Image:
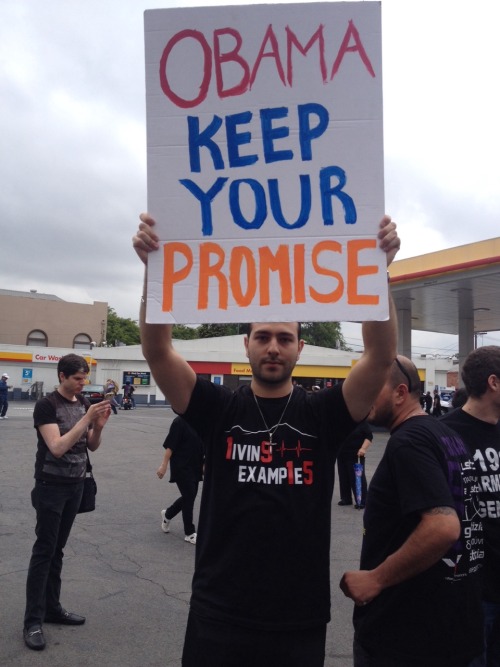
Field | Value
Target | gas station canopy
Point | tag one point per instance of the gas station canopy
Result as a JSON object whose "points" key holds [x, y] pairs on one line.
{"points": [[453, 291]]}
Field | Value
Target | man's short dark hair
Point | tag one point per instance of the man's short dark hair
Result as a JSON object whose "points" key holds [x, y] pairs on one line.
{"points": [[71, 364], [248, 329], [478, 367]]}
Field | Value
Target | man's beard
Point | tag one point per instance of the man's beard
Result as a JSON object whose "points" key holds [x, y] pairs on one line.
{"points": [[383, 415], [281, 374]]}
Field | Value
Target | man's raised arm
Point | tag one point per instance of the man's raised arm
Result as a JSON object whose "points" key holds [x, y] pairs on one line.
{"points": [[380, 339], [173, 375]]}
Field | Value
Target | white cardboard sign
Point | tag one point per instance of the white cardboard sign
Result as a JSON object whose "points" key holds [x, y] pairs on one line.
{"points": [[265, 163]]}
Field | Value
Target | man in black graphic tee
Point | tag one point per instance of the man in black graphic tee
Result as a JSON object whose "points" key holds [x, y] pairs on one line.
{"points": [[417, 592], [261, 591], [477, 423]]}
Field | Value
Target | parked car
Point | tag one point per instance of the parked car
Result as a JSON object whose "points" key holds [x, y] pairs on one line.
{"points": [[446, 397], [93, 392]]}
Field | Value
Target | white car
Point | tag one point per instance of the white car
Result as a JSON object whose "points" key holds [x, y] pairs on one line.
{"points": [[446, 398]]}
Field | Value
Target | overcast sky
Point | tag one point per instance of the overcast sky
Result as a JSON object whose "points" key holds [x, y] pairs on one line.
{"points": [[73, 145]]}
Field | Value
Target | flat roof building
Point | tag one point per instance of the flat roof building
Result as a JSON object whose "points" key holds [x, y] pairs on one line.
{"points": [[45, 320]]}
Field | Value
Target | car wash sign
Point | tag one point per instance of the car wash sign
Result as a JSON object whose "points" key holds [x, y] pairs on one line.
{"points": [[265, 162]]}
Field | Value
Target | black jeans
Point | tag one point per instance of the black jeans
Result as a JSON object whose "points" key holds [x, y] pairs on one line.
{"points": [[56, 506], [188, 489], [363, 659], [4, 406], [209, 643]]}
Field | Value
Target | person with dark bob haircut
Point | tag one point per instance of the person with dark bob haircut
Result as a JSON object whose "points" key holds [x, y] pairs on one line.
{"points": [[71, 364]]}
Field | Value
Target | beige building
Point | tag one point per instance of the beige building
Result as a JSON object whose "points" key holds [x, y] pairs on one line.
{"points": [[45, 320]]}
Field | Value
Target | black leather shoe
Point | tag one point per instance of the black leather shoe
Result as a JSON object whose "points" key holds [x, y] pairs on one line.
{"points": [[359, 507], [342, 503], [65, 618], [33, 638]]}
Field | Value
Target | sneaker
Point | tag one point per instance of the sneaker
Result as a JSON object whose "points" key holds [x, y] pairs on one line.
{"points": [[190, 538], [165, 523], [4, 417]]}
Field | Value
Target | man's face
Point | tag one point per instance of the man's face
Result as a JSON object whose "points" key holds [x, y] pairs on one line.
{"points": [[273, 349], [73, 384], [494, 393], [382, 412]]}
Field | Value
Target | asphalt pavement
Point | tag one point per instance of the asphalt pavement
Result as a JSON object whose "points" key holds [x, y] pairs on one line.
{"points": [[130, 580]]}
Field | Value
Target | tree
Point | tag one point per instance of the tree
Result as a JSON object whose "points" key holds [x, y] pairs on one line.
{"points": [[124, 330], [324, 334], [216, 330], [121, 330], [184, 332]]}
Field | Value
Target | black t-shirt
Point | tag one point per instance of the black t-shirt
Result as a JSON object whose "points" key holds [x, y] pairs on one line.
{"points": [[186, 461], [71, 466], [435, 617], [263, 545], [483, 442]]}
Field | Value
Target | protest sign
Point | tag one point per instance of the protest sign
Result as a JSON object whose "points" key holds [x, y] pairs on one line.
{"points": [[265, 163]]}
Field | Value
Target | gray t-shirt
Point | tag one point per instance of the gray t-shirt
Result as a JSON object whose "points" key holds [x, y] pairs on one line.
{"points": [[71, 467]]}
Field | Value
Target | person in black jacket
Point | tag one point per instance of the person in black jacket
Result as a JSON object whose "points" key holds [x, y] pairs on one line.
{"points": [[436, 405], [184, 452], [4, 396]]}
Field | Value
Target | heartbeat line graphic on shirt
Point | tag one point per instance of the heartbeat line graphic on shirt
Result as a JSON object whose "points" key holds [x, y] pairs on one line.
{"points": [[298, 449]]}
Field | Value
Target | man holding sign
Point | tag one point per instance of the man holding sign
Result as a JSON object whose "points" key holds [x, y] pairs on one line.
{"points": [[265, 182], [261, 586]]}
